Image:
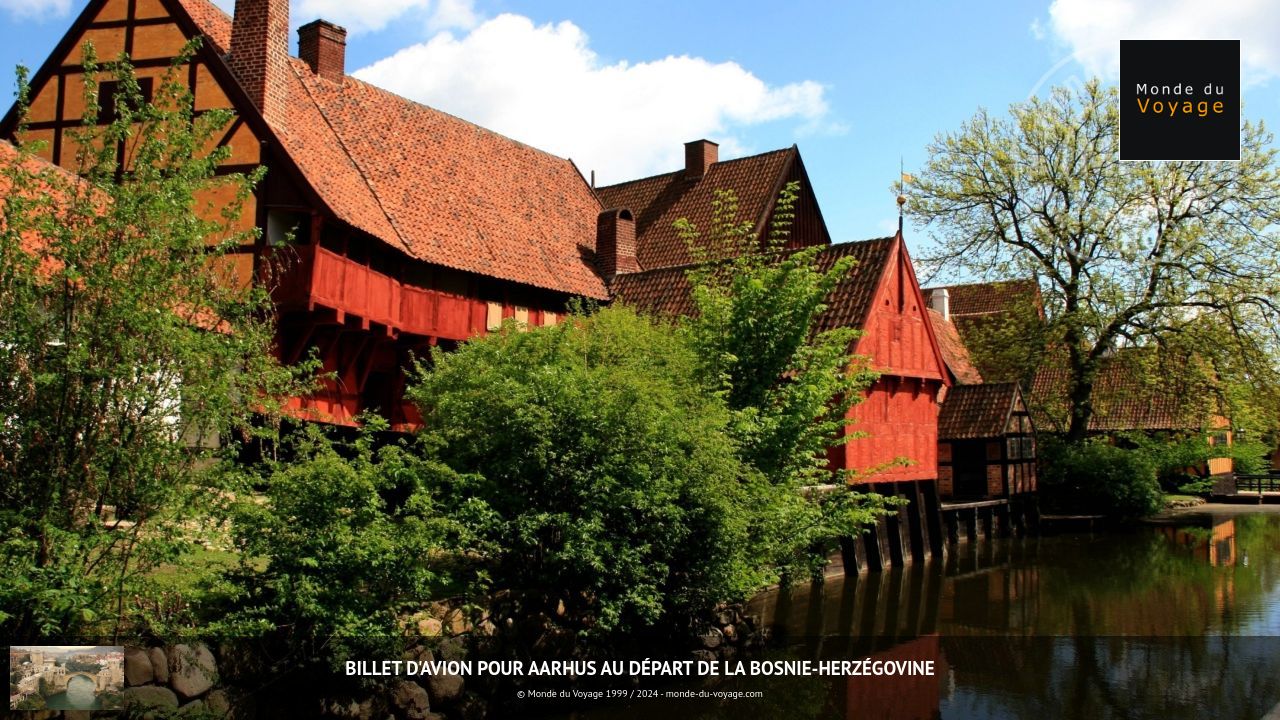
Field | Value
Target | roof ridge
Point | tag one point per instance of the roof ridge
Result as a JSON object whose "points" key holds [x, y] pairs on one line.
{"points": [[847, 243], [354, 163], [677, 172]]}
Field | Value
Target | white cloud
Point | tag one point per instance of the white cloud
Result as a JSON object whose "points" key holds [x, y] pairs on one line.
{"points": [[35, 9], [453, 14], [1092, 29], [545, 86]]}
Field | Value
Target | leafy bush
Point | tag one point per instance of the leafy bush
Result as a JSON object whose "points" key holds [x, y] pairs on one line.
{"points": [[1251, 457], [1098, 478], [109, 365], [788, 385], [340, 546], [594, 471]]}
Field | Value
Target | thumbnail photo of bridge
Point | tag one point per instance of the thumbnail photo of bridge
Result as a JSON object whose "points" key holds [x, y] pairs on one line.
{"points": [[65, 677]]}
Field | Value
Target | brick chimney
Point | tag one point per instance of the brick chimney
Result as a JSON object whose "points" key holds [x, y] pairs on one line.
{"points": [[699, 155], [323, 46], [616, 243], [260, 55]]}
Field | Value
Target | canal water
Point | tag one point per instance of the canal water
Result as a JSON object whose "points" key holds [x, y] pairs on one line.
{"points": [[1172, 621], [81, 694]]}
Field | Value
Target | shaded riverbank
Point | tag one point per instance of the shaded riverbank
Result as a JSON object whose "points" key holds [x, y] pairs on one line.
{"points": [[1177, 619]]}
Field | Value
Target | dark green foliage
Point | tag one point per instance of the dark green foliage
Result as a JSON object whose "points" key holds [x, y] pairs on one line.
{"points": [[1250, 457], [1096, 477], [1181, 464], [121, 344], [593, 469], [788, 386], [342, 544]]}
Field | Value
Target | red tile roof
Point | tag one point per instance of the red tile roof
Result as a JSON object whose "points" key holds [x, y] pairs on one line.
{"points": [[660, 200], [954, 352], [850, 301], [439, 188], [50, 187], [973, 412], [1124, 399], [212, 21], [987, 298], [666, 291]]}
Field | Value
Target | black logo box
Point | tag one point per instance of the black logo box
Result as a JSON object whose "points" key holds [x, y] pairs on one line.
{"points": [[1186, 69]]}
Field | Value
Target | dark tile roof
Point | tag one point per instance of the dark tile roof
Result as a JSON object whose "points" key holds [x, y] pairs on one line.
{"points": [[439, 188], [972, 412], [850, 301], [1124, 399], [987, 298], [660, 200], [954, 352], [666, 291]]}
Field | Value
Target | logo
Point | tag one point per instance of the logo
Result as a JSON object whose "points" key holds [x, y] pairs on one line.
{"points": [[1179, 99]]}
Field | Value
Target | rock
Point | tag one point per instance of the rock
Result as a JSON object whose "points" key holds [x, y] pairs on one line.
{"points": [[151, 696], [411, 700], [712, 639], [76, 714], [195, 706], [218, 702], [430, 627], [725, 616], [452, 649], [192, 669], [159, 664], [704, 655], [444, 688], [730, 632], [137, 667]]}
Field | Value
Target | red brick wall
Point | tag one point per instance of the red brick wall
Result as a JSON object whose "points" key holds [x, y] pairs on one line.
{"points": [[260, 55]]}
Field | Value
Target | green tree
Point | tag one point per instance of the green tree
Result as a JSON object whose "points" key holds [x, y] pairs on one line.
{"points": [[124, 354], [1127, 252], [341, 546], [788, 385], [594, 471]]}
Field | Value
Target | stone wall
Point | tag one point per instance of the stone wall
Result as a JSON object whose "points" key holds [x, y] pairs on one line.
{"points": [[178, 677]]}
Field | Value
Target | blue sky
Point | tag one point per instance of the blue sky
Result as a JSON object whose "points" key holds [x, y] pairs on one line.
{"points": [[858, 86]]}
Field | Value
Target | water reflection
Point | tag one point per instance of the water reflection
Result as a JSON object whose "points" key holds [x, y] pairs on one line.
{"points": [[81, 694], [1166, 622], [1169, 622]]}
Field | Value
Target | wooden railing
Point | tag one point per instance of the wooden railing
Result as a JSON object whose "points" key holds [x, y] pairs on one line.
{"points": [[314, 276], [1259, 483]]}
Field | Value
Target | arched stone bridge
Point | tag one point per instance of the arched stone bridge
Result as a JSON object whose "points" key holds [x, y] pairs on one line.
{"points": [[58, 681]]}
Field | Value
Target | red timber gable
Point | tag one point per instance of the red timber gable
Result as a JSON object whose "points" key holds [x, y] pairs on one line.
{"points": [[409, 227], [899, 413]]}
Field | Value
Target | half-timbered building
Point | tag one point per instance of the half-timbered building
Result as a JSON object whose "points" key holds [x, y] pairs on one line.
{"points": [[880, 296], [402, 227]]}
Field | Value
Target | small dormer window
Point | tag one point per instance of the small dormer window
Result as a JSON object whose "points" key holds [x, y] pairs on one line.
{"points": [[108, 90]]}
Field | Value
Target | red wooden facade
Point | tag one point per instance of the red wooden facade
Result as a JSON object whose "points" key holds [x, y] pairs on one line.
{"points": [[366, 270], [899, 415], [379, 245]]}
